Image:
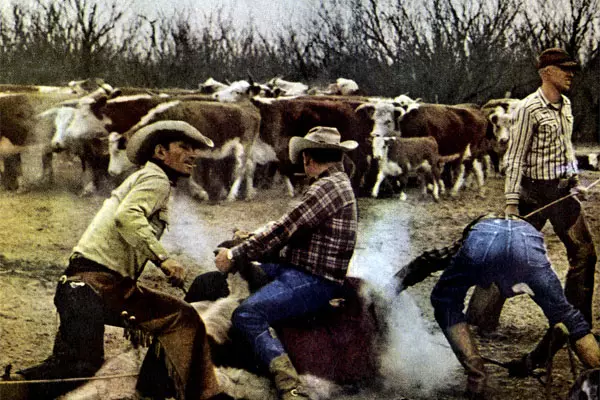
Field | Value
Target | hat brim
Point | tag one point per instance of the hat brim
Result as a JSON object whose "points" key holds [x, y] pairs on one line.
{"points": [[298, 144], [141, 143]]}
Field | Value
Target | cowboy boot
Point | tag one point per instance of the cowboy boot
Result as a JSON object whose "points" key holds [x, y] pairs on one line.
{"points": [[588, 351], [286, 379], [484, 309], [463, 345], [554, 339]]}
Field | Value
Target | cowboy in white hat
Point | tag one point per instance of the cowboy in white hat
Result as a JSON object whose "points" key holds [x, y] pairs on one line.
{"points": [[315, 241], [100, 285]]}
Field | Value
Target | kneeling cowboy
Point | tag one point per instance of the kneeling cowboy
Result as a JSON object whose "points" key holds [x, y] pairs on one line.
{"points": [[510, 253], [101, 280]]}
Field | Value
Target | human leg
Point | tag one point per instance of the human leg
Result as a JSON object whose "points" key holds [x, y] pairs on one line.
{"points": [[180, 341], [293, 293], [79, 344], [571, 227], [448, 298]]}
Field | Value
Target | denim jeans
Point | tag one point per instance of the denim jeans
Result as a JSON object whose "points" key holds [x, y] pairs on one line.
{"points": [[506, 252], [292, 293]]}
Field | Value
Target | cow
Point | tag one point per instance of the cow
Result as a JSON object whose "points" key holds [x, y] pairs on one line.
{"points": [[343, 87], [335, 353], [287, 88], [233, 127], [458, 130], [238, 91], [23, 132], [283, 118], [501, 113], [211, 86], [398, 156]]}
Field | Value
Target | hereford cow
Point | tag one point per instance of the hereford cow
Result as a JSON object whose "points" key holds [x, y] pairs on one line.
{"points": [[398, 156], [22, 132], [283, 118], [462, 132], [233, 128]]}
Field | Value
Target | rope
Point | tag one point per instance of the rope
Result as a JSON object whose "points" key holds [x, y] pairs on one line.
{"points": [[90, 378], [559, 200]]}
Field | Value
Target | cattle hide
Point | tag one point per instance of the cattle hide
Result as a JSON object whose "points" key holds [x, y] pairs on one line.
{"points": [[238, 383]]}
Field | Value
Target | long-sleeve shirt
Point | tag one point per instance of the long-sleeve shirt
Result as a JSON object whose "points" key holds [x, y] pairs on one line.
{"points": [[319, 234], [125, 232], [540, 144]]}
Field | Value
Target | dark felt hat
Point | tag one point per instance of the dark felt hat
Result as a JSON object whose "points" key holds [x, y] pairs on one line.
{"points": [[556, 56]]}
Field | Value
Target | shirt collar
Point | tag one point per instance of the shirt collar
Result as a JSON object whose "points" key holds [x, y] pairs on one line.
{"points": [[547, 102], [156, 167], [337, 167]]}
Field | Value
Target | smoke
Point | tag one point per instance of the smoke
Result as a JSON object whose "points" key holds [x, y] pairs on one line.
{"points": [[417, 359], [190, 237]]}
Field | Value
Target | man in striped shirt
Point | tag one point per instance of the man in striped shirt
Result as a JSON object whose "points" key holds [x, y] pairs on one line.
{"points": [[315, 241], [541, 167]]}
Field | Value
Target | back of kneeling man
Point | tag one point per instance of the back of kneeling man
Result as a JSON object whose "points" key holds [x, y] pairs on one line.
{"points": [[510, 253]]}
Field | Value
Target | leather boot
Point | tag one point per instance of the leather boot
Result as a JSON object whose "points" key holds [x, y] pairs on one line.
{"points": [[588, 351], [463, 345], [554, 339], [579, 289], [484, 308], [286, 379]]}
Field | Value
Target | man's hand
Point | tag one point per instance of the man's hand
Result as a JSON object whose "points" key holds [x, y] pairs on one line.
{"points": [[222, 262], [511, 209], [580, 191], [174, 272]]}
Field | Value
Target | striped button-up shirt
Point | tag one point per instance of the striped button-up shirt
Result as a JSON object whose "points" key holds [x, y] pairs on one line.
{"points": [[319, 234], [540, 144]]}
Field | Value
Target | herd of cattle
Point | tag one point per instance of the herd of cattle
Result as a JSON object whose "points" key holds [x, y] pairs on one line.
{"points": [[250, 125]]}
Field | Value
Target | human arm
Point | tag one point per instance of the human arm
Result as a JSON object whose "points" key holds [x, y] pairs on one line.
{"points": [[142, 215], [324, 198]]}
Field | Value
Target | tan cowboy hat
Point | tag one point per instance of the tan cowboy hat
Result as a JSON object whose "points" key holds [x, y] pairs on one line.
{"points": [[319, 137], [142, 142]]}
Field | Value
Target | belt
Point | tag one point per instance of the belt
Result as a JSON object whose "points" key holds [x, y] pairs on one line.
{"points": [[78, 263], [511, 217]]}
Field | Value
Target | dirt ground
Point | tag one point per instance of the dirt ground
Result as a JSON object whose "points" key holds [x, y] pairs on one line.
{"points": [[39, 228]]}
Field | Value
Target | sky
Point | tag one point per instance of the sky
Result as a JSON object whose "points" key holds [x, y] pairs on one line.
{"points": [[266, 14]]}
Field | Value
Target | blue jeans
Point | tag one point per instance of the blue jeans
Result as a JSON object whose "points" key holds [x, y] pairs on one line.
{"points": [[292, 293], [505, 252]]}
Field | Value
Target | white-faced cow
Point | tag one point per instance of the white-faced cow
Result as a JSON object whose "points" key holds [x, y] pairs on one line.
{"points": [[233, 128], [283, 118], [23, 133], [501, 113], [342, 87], [460, 131], [398, 157], [287, 88]]}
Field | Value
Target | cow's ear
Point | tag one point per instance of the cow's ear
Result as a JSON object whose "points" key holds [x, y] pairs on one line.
{"points": [[254, 90], [98, 105], [369, 108]]}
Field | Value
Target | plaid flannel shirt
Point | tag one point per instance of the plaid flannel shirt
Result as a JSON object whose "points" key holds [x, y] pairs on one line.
{"points": [[318, 235]]}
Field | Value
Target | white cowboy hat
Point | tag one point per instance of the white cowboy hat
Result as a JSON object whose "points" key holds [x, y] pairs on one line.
{"points": [[142, 142], [319, 137]]}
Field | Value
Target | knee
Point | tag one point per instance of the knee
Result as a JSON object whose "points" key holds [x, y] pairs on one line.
{"points": [[243, 316]]}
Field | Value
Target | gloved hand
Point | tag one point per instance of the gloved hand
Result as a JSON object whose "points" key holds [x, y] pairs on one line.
{"points": [[580, 191], [174, 271]]}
